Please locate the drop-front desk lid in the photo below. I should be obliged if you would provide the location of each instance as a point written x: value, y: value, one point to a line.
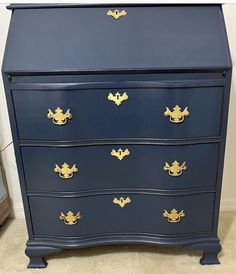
x: 84, y: 38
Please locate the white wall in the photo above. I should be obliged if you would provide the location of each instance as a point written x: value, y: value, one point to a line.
x: 229, y: 183
x: 5, y: 131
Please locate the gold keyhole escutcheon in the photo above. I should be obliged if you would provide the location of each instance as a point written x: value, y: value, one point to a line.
x: 176, y: 116
x: 58, y: 117
x: 116, y: 14
x: 122, y: 201
x: 117, y: 98
x: 120, y: 154
x: 174, y: 216
x: 70, y: 218
x: 175, y: 169
x: 66, y: 172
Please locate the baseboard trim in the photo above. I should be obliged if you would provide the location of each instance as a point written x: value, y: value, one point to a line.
x: 227, y: 205
x: 17, y: 211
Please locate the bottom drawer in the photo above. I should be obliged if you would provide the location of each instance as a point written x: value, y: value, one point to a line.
x: 143, y: 213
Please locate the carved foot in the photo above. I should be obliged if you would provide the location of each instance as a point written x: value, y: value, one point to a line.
x: 210, y: 252
x: 37, y: 262
x: 209, y: 258
x: 36, y: 255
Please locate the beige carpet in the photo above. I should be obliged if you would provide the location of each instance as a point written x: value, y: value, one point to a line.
x: 127, y: 259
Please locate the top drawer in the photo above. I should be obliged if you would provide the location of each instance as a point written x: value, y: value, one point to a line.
x: 102, y: 113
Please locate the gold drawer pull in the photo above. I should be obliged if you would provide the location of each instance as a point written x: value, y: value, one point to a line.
x: 176, y: 116
x: 65, y: 172
x: 121, y: 201
x: 117, y: 98
x: 59, y: 118
x: 173, y: 216
x: 175, y: 169
x: 70, y: 218
x: 120, y: 154
x: 116, y: 14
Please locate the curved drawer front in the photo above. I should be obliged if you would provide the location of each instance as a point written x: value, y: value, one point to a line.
x: 143, y: 113
x: 144, y: 213
x: 99, y: 167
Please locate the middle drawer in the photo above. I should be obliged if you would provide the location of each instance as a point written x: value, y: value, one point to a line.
x: 120, y: 166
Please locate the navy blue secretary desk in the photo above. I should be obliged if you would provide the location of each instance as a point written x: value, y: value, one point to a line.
x: 119, y: 117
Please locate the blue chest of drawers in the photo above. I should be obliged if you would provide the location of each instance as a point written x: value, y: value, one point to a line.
x: 119, y: 117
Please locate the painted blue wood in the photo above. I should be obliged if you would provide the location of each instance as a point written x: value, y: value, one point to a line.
x: 101, y: 216
x: 203, y: 78
x: 160, y: 37
x: 173, y: 58
x: 95, y: 117
x: 97, y: 169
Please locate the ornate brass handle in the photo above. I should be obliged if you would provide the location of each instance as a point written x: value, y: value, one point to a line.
x: 117, y: 98
x: 173, y: 216
x: 65, y: 172
x: 120, y: 154
x: 121, y: 201
x: 176, y: 116
x: 59, y: 118
x: 175, y: 169
x: 116, y: 14
x: 70, y: 218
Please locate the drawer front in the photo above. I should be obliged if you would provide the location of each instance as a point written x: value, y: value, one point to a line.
x: 142, y: 213
x: 143, y: 113
x: 97, y: 167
